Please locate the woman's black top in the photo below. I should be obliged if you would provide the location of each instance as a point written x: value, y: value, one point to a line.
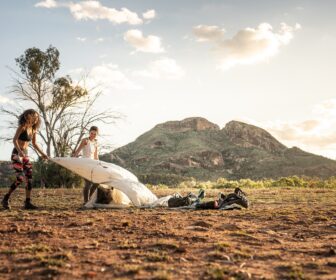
x: 25, y: 137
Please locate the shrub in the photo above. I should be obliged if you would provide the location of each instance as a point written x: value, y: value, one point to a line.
x: 293, y: 181
x: 51, y: 175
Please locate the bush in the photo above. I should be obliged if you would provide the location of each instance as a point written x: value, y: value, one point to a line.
x: 293, y: 181
x: 167, y: 179
x: 204, y: 185
x: 224, y: 183
x: 51, y: 175
x: 188, y: 184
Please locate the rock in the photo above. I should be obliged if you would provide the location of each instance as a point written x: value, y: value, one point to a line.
x: 247, y: 135
x: 194, y: 124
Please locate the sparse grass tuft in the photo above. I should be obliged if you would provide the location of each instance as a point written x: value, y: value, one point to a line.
x: 35, y: 248
x: 9, y: 252
x: 127, y: 245
x: 221, y: 246
x: 157, y: 257
x: 161, y: 275
x: 58, y: 260
x: 130, y: 269
x: 168, y: 245
x: 217, y: 273
x: 296, y: 273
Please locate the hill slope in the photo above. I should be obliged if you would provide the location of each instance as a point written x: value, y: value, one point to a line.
x: 195, y: 147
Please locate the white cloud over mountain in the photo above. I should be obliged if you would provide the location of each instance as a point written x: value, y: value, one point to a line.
x: 316, y: 134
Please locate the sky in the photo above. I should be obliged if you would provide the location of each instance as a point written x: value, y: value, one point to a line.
x: 265, y: 62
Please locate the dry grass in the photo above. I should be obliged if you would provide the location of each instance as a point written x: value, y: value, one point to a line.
x: 285, y: 234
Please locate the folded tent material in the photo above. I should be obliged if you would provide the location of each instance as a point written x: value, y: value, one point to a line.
x: 111, y: 175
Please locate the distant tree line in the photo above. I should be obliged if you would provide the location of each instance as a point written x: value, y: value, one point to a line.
x: 223, y: 183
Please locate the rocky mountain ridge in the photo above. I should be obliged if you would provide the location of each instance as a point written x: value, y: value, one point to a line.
x: 195, y: 147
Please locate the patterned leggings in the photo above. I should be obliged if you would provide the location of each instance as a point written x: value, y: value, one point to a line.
x: 23, y: 169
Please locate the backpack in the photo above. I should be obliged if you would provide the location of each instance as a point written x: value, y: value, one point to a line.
x: 178, y: 201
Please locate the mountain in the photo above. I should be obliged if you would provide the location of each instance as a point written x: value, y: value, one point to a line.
x: 195, y: 147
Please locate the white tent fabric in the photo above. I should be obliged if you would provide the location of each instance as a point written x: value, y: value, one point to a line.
x: 120, y: 200
x: 114, y: 176
x: 161, y: 202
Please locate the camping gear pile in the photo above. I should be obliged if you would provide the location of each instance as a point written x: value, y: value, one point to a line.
x: 235, y: 200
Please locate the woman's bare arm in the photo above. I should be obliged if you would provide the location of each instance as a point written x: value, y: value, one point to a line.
x: 37, y: 147
x: 96, y: 153
x: 82, y: 144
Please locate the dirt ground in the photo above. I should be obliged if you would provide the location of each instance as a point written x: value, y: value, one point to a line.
x: 285, y: 234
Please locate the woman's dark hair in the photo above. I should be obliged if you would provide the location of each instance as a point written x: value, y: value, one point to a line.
x: 23, y: 119
x: 94, y: 128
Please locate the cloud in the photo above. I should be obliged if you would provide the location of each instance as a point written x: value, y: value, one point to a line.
x: 46, y: 4
x: 5, y: 100
x: 208, y: 33
x: 77, y: 72
x: 149, y: 44
x: 326, y: 109
x: 316, y: 135
x: 163, y: 68
x: 81, y: 39
x: 308, y: 125
x: 315, y: 138
x: 100, y: 40
x: 150, y: 14
x: 94, y: 10
x: 109, y: 76
x: 251, y: 45
x: 247, y: 46
x: 97, y: 41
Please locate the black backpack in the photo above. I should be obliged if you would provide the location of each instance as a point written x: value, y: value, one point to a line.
x: 178, y: 201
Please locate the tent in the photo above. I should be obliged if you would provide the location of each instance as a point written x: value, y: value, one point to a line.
x: 127, y: 190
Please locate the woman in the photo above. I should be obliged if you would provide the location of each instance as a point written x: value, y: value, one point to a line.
x: 29, y: 123
x: 90, y: 150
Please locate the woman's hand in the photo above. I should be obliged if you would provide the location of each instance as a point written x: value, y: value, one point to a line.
x: 22, y: 154
x: 44, y: 156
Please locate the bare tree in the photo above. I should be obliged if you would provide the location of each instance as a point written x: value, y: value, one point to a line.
x: 66, y: 108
